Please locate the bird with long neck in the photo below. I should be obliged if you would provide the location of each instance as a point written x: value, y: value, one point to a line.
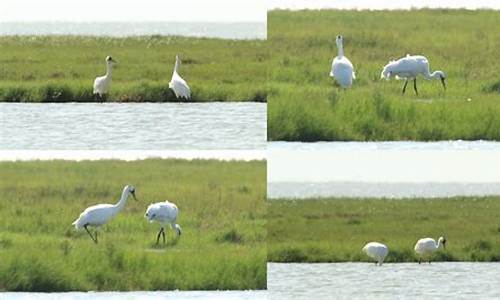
x: 100, y: 214
x: 177, y: 84
x: 342, y: 69
x: 103, y: 83
x: 426, y: 246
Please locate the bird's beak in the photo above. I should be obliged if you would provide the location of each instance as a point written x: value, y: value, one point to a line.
x: 114, y: 61
x: 443, y: 82
x: 133, y: 195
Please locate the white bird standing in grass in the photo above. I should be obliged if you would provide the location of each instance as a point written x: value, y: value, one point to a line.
x: 100, y: 214
x: 177, y: 84
x: 408, y: 68
x: 164, y: 213
x: 342, y: 69
x: 377, y: 251
x: 103, y: 83
x: 426, y: 246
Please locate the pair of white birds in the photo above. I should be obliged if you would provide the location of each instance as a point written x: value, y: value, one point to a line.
x: 164, y: 213
x: 424, y: 248
x: 407, y: 68
x: 177, y: 84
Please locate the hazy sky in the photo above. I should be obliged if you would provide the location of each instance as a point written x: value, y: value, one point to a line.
x: 381, y: 4
x: 133, y: 10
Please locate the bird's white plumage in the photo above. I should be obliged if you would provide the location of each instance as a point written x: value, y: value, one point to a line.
x: 409, y: 67
x: 177, y: 84
x: 103, y: 83
x: 426, y: 246
x: 100, y: 214
x: 164, y: 213
x: 377, y: 251
x: 342, y: 68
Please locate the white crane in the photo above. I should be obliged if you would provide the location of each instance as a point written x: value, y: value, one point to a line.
x: 164, y: 213
x: 408, y: 68
x: 103, y: 83
x: 177, y: 84
x: 342, y: 69
x: 100, y: 214
x: 426, y: 246
x: 377, y: 251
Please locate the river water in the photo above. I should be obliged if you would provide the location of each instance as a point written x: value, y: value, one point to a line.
x: 383, y: 169
x: 133, y: 126
x: 440, y: 280
x: 248, y: 30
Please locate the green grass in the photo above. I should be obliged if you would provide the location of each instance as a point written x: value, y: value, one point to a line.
x: 63, y: 68
x: 335, y: 230
x: 222, y: 214
x: 304, y: 103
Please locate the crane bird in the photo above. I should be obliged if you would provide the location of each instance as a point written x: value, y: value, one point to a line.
x: 377, y: 251
x: 342, y: 69
x: 408, y: 68
x: 164, y: 213
x: 177, y: 84
x: 426, y: 246
x: 103, y: 83
x: 100, y: 214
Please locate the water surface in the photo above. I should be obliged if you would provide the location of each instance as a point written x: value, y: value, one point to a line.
x: 447, y: 280
x: 133, y: 126
x: 248, y: 30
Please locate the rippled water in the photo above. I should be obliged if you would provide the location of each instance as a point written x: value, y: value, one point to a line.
x: 446, y: 280
x: 133, y: 126
x: 247, y: 30
x: 185, y: 295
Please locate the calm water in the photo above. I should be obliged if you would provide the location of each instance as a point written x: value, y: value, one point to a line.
x: 185, y: 295
x: 121, y: 29
x: 383, y: 169
x: 447, y: 280
x: 134, y: 126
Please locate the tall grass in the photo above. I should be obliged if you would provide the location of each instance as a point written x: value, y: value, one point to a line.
x: 335, y: 230
x: 306, y: 105
x: 63, y: 68
x: 222, y: 213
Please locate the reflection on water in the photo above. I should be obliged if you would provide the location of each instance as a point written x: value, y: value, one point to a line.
x: 133, y: 126
x: 449, y: 280
x: 184, y: 295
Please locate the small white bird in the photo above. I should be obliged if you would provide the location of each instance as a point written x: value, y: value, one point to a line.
x: 377, y: 251
x: 164, y: 213
x: 342, y: 69
x: 103, y: 83
x: 408, y: 68
x: 426, y: 246
x: 100, y: 214
x: 177, y: 84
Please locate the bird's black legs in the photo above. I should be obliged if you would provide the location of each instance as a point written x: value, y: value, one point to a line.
x: 163, y: 234
x: 404, y: 87
x: 91, y: 236
x: 158, y: 237
x: 419, y: 260
x: 415, y: 86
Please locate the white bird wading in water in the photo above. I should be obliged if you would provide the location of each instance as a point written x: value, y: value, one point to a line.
x: 164, y: 213
x: 377, y: 251
x: 426, y: 246
x: 342, y: 69
x: 103, y: 83
x: 408, y: 68
x: 177, y: 84
x: 100, y: 214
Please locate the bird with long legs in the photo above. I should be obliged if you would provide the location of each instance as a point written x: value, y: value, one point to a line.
x: 408, y: 68
x: 164, y: 213
x: 177, y: 84
x: 377, y: 251
x: 342, y: 68
x: 100, y: 214
x: 102, y: 84
x: 427, y: 246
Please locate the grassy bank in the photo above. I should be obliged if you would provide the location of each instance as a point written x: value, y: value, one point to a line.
x: 222, y: 214
x: 306, y: 105
x: 63, y: 68
x: 335, y: 230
